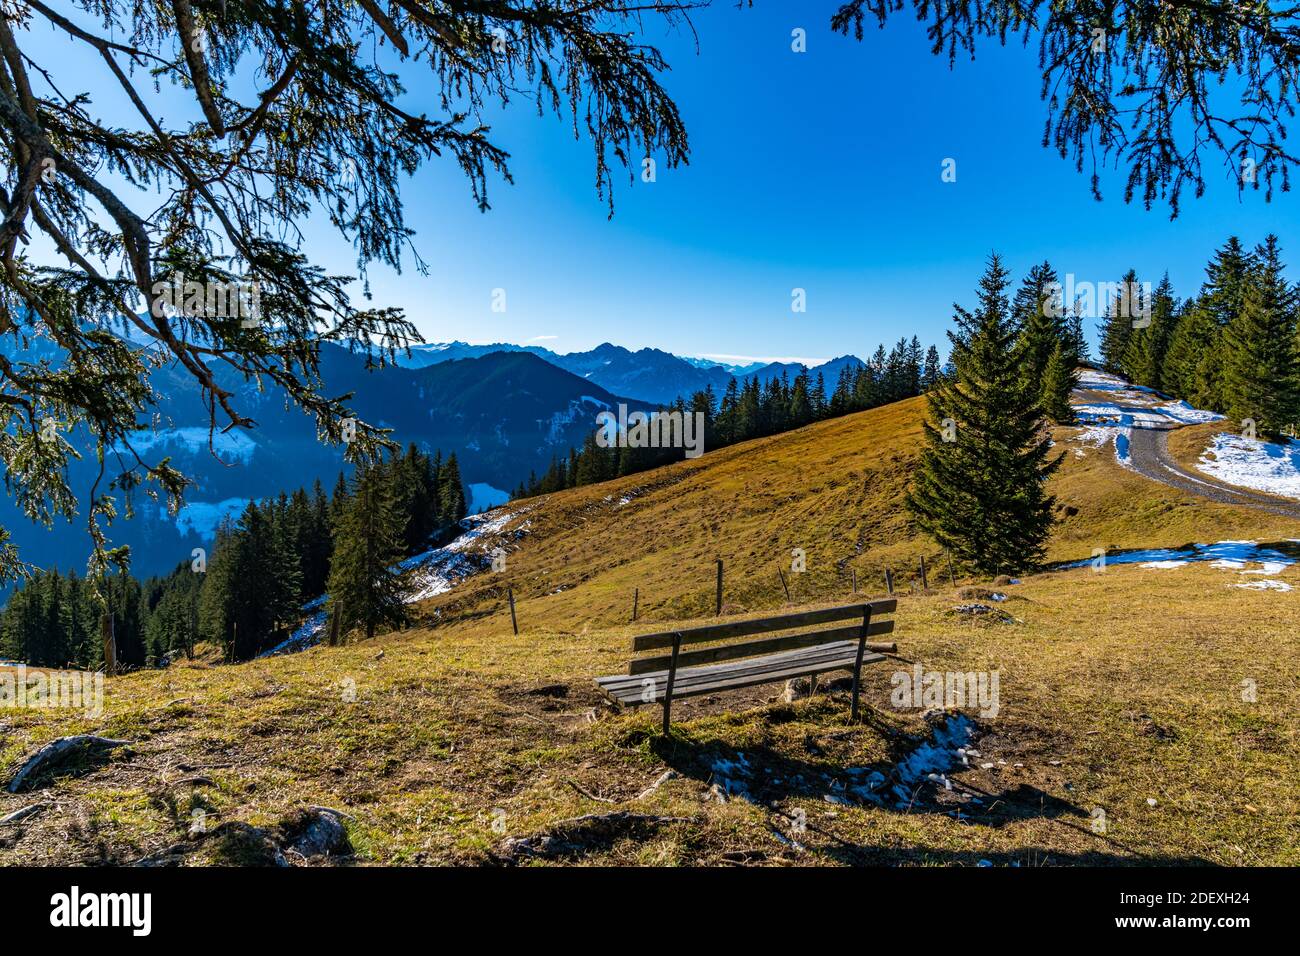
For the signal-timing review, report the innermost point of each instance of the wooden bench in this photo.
(663, 677)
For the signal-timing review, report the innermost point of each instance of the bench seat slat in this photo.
(786, 622)
(750, 665)
(726, 652)
(706, 680)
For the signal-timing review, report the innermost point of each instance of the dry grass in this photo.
(1116, 688)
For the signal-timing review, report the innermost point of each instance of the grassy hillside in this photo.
(1120, 691)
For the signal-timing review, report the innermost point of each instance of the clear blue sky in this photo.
(818, 170)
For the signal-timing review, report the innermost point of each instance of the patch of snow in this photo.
(1251, 463)
(438, 570)
(1225, 555)
(1099, 381)
(1180, 411)
(945, 750)
(202, 517)
(233, 445)
(1123, 454)
(310, 632)
(432, 572)
(1265, 585)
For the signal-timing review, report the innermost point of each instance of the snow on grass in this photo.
(1252, 463)
(1225, 555)
(438, 570)
(1123, 454)
(1134, 406)
(1181, 412)
(1127, 416)
(430, 573)
(1098, 381)
(933, 759)
(1267, 585)
(1097, 436)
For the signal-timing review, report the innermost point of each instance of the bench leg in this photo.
(672, 677)
(857, 664)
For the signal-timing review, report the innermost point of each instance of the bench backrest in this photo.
(717, 634)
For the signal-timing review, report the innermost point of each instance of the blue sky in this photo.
(817, 170)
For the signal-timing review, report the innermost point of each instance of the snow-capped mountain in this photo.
(650, 374)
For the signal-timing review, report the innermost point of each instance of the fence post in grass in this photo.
(110, 643)
(514, 621)
(784, 585)
(925, 583)
(718, 601)
(636, 599)
(854, 572)
(336, 622)
(889, 581)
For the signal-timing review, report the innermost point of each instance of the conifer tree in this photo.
(1117, 326)
(1144, 355)
(983, 494)
(451, 493)
(1194, 337)
(365, 588)
(1261, 371)
(933, 369)
(1059, 380)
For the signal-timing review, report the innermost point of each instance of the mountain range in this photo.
(649, 374)
(504, 410)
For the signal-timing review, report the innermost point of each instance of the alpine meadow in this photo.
(621, 435)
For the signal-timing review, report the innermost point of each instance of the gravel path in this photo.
(1149, 448)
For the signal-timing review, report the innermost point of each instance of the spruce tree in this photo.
(1261, 372)
(933, 369)
(1145, 355)
(365, 588)
(983, 493)
(1037, 314)
(1059, 380)
(1117, 326)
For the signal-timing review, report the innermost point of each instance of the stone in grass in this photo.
(316, 832)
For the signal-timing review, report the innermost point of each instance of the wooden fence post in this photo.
(718, 602)
(925, 582)
(335, 623)
(854, 572)
(783, 584)
(514, 621)
(636, 599)
(889, 581)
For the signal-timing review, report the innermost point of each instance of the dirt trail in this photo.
(1149, 450)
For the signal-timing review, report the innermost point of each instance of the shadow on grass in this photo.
(769, 778)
